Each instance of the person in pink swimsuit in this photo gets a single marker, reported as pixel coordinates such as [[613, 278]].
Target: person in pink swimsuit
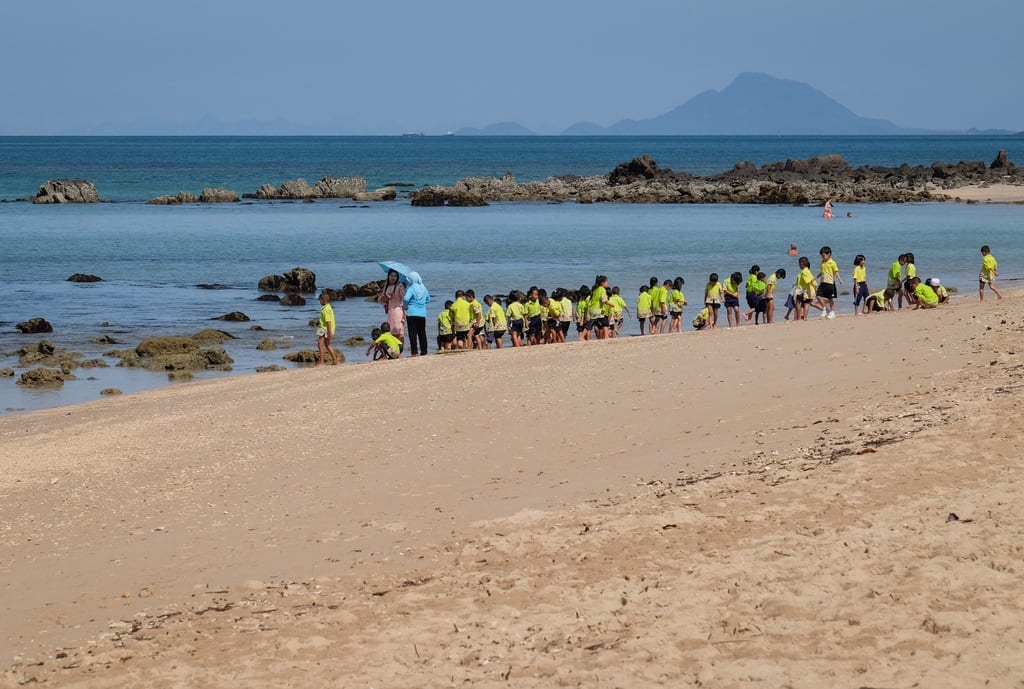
[[391, 298]]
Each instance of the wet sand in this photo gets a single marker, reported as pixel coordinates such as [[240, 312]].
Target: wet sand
[[761, 506]]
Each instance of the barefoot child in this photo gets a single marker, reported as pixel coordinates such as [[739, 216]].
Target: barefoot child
[[384, 345], [325, 333], [496, 324], [769, 293], [713, 299], [643, 307], [445, 334], [807, 289], [860, 284], [989, 271], [676, 302], [732, 298]]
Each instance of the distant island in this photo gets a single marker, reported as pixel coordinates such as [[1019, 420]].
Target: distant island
[[753, 104]]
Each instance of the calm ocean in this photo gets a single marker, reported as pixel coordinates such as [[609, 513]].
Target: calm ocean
[[152, 258]]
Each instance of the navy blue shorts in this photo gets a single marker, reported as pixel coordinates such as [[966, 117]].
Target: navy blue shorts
[[516, 325], [534, 327], [731, 301]]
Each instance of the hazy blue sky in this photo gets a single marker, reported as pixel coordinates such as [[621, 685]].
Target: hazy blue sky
[[346, 67]]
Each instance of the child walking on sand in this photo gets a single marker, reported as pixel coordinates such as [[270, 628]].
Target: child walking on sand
[[325, 331], [989, 271], [860, 284], [807, 289], [827, 291]]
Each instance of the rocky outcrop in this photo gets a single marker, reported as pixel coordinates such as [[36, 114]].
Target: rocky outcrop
[[212, 336], [174, 354], [266, 346], [303, 356], [300, 280], [300, 189], [218, 195], [67, 191], [44, 378], [292, 300], [234, 317], [792, 181], [381, 194], [176, 200], [370, 289], [84, 277], [44, 353], [34, 326]]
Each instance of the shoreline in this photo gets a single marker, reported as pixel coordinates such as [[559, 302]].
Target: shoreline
[[262, 497]]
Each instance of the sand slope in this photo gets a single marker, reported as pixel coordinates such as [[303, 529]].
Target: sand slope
[[766, 506]]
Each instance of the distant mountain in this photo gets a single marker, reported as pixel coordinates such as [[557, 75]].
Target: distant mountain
[[754, 104], [499, 129]]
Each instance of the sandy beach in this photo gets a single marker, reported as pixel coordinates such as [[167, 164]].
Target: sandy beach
[[766, 506], [984, 193]]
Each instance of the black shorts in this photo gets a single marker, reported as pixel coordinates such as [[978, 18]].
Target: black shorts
[[534, 326], [564, 326], [761, 306], [462, 335], [731, 301], [516, 325], [752, 300], [597, 323], [827, 290], [676, 314], [446, 339], [495, 335]]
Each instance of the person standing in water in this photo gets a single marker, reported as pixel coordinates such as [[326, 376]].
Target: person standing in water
[[415, 304]]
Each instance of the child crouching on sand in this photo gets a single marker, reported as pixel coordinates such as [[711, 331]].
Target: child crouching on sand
[[385, 345]]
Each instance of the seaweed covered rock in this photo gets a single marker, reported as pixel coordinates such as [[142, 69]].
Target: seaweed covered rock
[[175, 354], [44, 377], [218, 195], [34, 326], [300, 280], [178, 199], [84, 277]]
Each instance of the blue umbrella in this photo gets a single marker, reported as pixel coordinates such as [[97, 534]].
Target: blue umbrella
[[400, 268]]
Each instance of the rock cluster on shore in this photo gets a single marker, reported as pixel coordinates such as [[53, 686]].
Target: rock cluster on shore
[[178, 353], [641, 180]]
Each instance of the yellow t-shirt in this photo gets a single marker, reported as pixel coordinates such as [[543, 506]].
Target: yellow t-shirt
[[515, 311], [444, 323], [926, 294], [476, 310], [643, 305], [533, 308], [327, 318], [566, 309], [597, 303], [713, 293], [676, 299], [389, 341], [462, 315], [829, 269], [860, 274], [989, 265], [769, 285], [554, 309], [496, 318], [806, 282], [911, 271]]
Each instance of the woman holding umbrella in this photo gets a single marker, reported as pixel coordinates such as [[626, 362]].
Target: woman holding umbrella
[[415, 303], [391, 297]]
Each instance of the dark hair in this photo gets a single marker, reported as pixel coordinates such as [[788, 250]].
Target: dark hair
[[760, 275], [644, 288], [459, 293], [325, 296], [448, 304], [542, 292], [910, 257], [825, 250], [615, 289], [713, 277], [600, 279], [584, 291], [781, 273], [654, 282], [804, 262], [375, 333], [385, 327], [755, 269], [858, 259], [471, 294], [984, 247], [737, 277], [487, 296], [678, 282]]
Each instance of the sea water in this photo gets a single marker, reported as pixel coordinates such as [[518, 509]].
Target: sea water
[[152, 258]]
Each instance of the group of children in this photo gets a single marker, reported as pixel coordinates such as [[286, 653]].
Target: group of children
[[598, 312]]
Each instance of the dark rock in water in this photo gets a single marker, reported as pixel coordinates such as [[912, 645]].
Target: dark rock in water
[[382, 194], [266, 346], [212, 285], [83, 277], [353, 341], [6, 372], [292, 300], [173, 354], [303, 356], [94, 363], [35, 325], [370, 289], [104, 340], [234, 316], [334, 294], [176, 200], [218, 195], [466, 199], [180, 376], [429, 197], [44, 377], [210, 336], [270, 369], [163, 346], [301, 280], [67, 191], [110, 391], [1001, 161], [268, 297], [639, 168], [255, 327], [325, 188]]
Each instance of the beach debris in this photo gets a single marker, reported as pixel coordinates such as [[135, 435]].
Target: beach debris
[[34, 326], [865, 451], [952, 517], [67, 191], [270, 369], [84, 277], [110, 391]]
